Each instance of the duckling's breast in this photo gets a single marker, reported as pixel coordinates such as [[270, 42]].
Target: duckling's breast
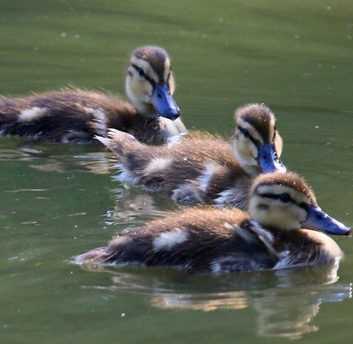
[[307, 247]]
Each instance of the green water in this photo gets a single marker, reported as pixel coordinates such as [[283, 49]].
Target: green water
[[58, 201]]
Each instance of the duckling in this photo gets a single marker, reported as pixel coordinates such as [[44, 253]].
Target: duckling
[[272, 235], [203, 169], [74, 115]]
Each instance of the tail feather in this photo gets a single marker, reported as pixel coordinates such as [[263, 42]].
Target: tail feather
[[119, 141], [116, 135], [94, 256], [103, 140]]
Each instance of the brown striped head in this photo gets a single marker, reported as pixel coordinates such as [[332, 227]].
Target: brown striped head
[[257, 144], [283, 201], [150, 83]]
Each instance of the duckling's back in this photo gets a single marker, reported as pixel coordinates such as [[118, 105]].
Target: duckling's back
[[74, 115], [199, 239], [193, 171]]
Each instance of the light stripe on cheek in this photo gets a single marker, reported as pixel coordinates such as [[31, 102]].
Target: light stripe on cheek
[[166, 69]]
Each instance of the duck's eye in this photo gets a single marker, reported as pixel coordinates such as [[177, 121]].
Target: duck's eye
[[141, 71], [246, 133], [285, 198]]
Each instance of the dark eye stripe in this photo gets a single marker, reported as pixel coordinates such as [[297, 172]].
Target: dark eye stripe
[[246, 133], [142, 74], [285, 199], [274, 196]]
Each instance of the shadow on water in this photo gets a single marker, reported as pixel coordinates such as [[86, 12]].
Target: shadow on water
[[285, 301]]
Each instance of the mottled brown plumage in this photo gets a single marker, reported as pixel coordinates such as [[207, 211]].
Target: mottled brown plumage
[[203, 168], [271, 236], [75, 115]]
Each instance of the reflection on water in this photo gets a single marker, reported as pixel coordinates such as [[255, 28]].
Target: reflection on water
[[286, 301], [82, 159], [289, 312], [56, 157], [129, 204], [295, 56], [96, 163], [134, 207]]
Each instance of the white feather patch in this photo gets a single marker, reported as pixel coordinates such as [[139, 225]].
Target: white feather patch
[[167, 240], [157, 164], [31, 114], [265, 236], [207, 175], [99, 117]]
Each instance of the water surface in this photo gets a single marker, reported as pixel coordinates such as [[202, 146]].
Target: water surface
[[58, 201]]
